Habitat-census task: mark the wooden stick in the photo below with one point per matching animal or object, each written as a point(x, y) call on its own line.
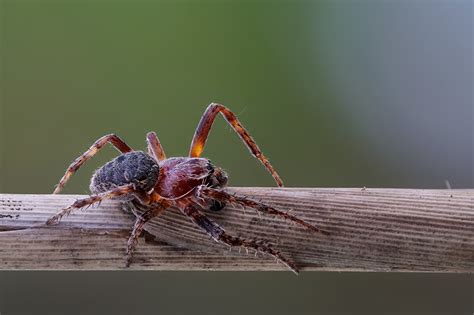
point(371, 230)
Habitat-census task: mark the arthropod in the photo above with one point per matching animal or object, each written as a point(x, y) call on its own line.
point(153, 182)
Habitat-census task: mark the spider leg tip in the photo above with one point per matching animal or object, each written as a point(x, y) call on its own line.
point(51, 222)
point(128, 261)
point(323, 232)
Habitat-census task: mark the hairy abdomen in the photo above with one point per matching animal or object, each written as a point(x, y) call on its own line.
point(135, 167)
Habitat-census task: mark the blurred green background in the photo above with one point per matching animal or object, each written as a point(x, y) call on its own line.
point(337, 94)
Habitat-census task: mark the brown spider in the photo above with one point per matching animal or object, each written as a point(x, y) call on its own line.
point(154, 183)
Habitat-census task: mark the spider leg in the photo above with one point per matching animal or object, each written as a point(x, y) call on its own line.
point(154, 147)
point(138, 228)
point(112, 139)
point(221, 236)
point(205, 124)
point(81, 203)
point(219, 195)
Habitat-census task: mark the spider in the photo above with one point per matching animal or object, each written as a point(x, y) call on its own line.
point(154, 183)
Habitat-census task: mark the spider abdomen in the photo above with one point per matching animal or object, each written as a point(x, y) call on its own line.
point(135, 167)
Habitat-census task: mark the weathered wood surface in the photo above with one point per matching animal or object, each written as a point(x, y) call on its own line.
point(371, 230)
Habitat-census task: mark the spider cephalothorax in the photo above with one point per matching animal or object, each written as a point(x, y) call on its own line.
point(154, 183)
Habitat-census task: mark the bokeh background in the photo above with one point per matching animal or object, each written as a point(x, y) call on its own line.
point(337, 94)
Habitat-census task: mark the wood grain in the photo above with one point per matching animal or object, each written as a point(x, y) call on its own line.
point(371, 230)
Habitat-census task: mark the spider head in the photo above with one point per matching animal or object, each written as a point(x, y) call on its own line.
point(217, 178)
